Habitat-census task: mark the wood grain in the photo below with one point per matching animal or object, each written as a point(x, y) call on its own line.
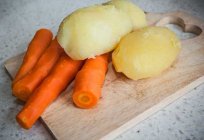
point(125, 102)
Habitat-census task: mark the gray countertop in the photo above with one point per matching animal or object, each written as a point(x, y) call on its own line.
point(19, 19)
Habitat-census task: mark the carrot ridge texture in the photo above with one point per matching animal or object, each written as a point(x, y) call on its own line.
point(36, 47)
point(23, 88)
point(89, 82)
point(61, 75)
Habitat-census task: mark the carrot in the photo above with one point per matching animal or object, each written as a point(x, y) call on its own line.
point(89, 81)
point(23, 88)
point(63, 73)
point(35, 49)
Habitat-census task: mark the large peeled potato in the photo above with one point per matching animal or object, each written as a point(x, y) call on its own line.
point(92, 31)
point(146, 52)
point(95, 30)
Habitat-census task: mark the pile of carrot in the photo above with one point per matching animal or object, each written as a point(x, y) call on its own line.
point(37, 46)
point(47, 70)
point(26, 85)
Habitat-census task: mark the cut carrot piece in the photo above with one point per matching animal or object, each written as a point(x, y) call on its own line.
point(89, 82)
point(61, 75)
point(23, 88)
point(35, 49)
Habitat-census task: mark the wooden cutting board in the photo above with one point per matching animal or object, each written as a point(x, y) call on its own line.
point(125, 102)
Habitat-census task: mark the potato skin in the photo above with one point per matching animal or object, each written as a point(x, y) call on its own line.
point(146, 52)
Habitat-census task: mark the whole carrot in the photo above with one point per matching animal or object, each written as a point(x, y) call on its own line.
point(35, 49)
point(23, 88)
point(89, 82)
point(61, 75)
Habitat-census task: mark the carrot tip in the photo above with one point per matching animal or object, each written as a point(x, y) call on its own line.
point(21, 92)
point(22, 122)
point(84, 100)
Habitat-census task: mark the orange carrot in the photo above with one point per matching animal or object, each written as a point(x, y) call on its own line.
point(89, 82)
point(23, 88)
point(35, 49)
point(61, 75)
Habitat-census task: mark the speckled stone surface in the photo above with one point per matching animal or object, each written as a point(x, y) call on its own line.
point(183, 119)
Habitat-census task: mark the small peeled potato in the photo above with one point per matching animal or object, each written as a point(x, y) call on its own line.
point(136, 14)
point(146, 52)
point(93, 31)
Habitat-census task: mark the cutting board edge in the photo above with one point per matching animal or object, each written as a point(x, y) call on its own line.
point(53, 135)
point(146, 114)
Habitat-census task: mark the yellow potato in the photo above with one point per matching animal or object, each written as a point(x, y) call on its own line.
point(136, 14)
point(146, 52)
point(92, 31)
point(95, 30)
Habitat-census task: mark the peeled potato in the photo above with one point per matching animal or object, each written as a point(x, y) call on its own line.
point(94, 30)
point(146, 52)
point(136, 14)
